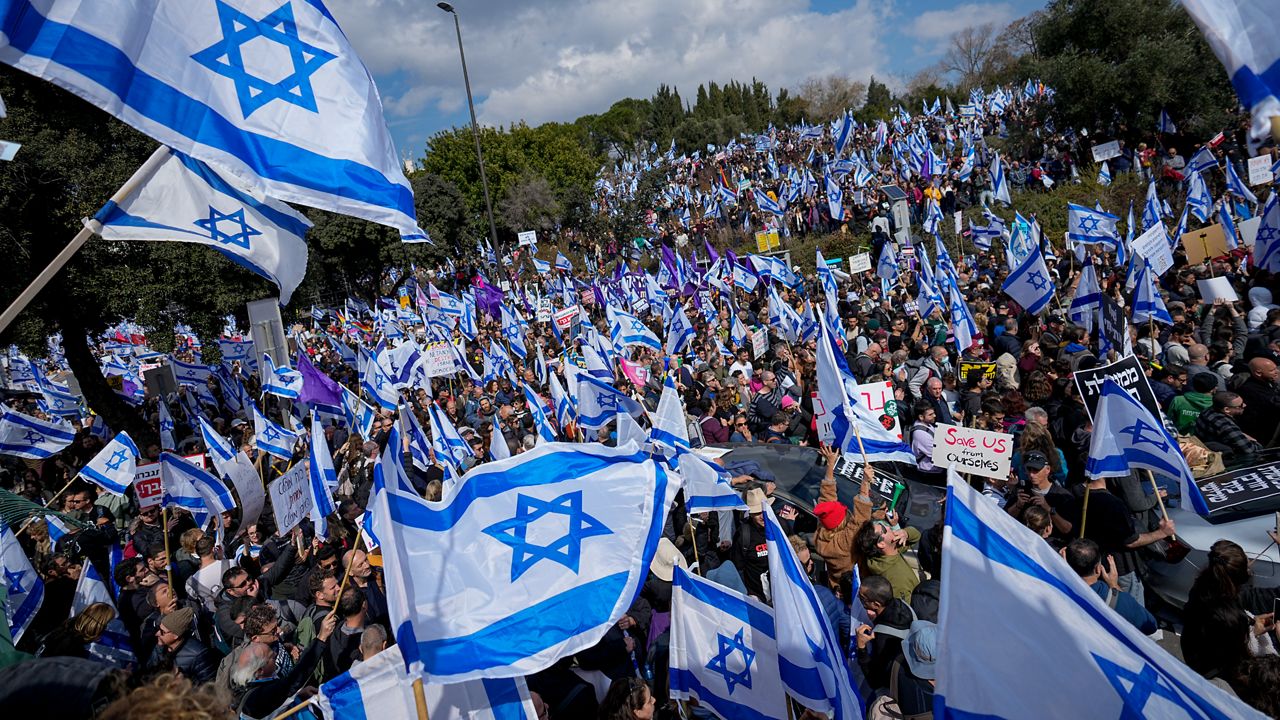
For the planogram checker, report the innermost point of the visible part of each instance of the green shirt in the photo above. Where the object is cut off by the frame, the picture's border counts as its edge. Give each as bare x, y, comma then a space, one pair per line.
1185, 408
896, 570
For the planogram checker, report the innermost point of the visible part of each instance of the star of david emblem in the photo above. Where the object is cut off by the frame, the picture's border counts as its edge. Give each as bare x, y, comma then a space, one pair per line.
1037, 280
1267, 235
567, 550
31, 437
608, 402
720, 663
14, 580
226, 57
1139, 431
270, 433
378, 382
637, 325
239, 238
1088, 224
117, 459
1142, 687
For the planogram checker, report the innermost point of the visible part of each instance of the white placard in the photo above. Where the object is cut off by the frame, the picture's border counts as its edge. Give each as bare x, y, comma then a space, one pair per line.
437, 359
973, 451
959, 220
528, 237
877, 397
859, 263
1259, 170
1249, 230
759, 343
1106, 151
147, 485
291, 498
8, 150
244, 478
1153, 246
544, 309
1217, 288
564, 318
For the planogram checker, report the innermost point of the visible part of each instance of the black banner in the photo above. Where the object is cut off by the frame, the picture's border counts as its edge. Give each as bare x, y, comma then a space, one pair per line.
1233, 491
1128, 373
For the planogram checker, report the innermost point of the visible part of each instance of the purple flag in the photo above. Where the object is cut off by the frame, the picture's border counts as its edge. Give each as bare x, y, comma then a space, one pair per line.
711, 252
317, 387
489, 299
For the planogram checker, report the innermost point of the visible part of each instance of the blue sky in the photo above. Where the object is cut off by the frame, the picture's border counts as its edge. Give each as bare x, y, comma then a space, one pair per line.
560, 59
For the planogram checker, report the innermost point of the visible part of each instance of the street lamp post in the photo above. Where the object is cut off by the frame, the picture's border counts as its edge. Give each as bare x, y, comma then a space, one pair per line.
475, 129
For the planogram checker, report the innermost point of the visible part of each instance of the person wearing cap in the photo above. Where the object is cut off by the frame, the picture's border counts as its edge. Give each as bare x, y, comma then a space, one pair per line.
1051, 336
912, 682
177, 646
1040, 491
837, 528
749, 552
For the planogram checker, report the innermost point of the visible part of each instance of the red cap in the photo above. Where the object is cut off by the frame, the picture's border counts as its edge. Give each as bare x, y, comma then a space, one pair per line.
830, 514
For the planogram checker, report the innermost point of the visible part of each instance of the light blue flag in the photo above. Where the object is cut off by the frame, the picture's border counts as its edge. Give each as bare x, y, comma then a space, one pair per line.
599, 401
31, 438
546, 433
114, 646
838, 392
679, 332
323, 478
1266, 247
563, 402
626, 330
1198, 198
1148, 305
376, 383
271, 438
1102, 666
191, 75
557, 540
1104, 174
1126, 435
360, 415
724, 651
812, 665
999, 184
281, 381
194, 489
184, 200
1030, 284
1237, 186
113, 468
24, 588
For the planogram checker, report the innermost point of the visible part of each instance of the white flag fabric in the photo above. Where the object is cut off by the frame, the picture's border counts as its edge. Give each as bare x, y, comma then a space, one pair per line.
598, 402
724, 651
1030, 283
1100, 665
271, 438
24, 590
1245, 36
113, 468
381, 688
322, 477
185, 200
268, 92
525, 561
167, 427
280, 380
30, 437
194, 489
837, 396
114, 646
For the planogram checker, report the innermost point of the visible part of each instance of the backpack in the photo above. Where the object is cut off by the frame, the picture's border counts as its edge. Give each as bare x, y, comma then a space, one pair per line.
886, 707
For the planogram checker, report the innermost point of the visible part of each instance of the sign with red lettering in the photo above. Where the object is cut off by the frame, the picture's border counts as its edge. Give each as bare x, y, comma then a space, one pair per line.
147, 485
973, 451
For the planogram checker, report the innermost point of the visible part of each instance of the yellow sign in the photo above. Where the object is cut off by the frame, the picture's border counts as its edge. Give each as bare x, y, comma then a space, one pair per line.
1206, 242
766, 241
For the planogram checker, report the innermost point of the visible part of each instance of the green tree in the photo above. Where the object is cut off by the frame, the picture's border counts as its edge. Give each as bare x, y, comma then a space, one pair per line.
879, 100
531, 204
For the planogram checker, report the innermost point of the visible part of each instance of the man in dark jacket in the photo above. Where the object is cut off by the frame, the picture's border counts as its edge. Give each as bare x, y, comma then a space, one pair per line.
176, 645
237, 582
878, 645
1262, 401
256, 689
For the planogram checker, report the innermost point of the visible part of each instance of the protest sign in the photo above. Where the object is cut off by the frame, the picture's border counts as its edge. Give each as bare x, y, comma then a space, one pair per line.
147, 485
9, 150
859, 263
1204, 243
1154, 246
437, 359
759, 343
291, 497
1238, 488
958, 217
544, 309
1113, 322
988, 370
1217, 288
973, 451
1249, 230
1260, 170
877, 396
1106, 151
528, 237
637, 373
1128, 373
766, 241
564, 318
248, 486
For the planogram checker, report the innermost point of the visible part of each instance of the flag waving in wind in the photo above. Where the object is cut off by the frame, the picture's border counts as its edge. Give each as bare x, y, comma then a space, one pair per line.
270, 93
113, 468
1030, 283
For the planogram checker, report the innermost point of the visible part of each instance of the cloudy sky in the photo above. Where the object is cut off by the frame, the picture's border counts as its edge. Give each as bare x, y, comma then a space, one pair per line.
560, 59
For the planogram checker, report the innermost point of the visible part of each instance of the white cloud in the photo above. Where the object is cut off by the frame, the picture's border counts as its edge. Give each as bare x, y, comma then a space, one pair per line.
941, 24
562, 59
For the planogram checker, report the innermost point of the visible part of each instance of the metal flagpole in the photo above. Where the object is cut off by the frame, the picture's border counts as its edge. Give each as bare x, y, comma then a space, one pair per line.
91, 227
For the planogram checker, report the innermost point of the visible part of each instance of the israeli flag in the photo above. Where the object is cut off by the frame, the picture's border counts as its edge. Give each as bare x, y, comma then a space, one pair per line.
359, 414
1266, 248
812, 664
1030, 284
1164, 124
217, 447
543, 267
272, 438
1089, 226
982, 235
1242, 35
768, 204
322, 477
546, 433
271, 94
113, 468
376, 383
563, 402
724, 651
999, 184
24, 590
887, 267
194, 489
448, 443
31, 438
626, 330
281, 381
932, 216
1126, 435
1237, 186
1087, 301
679, 332
1148, 305
1102, 665
184, 200
599, 401
837, 396
55, 399
513, 331
1228, 226
547, 551
835, 197
562, 262
114, 647
669, 434
1198, 198
1104, 174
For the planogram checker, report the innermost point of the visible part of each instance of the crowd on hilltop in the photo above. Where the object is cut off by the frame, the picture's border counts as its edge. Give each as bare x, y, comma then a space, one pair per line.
234, 618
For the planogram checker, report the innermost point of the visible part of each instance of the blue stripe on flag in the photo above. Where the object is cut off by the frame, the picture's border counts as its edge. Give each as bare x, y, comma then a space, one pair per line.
686, 681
